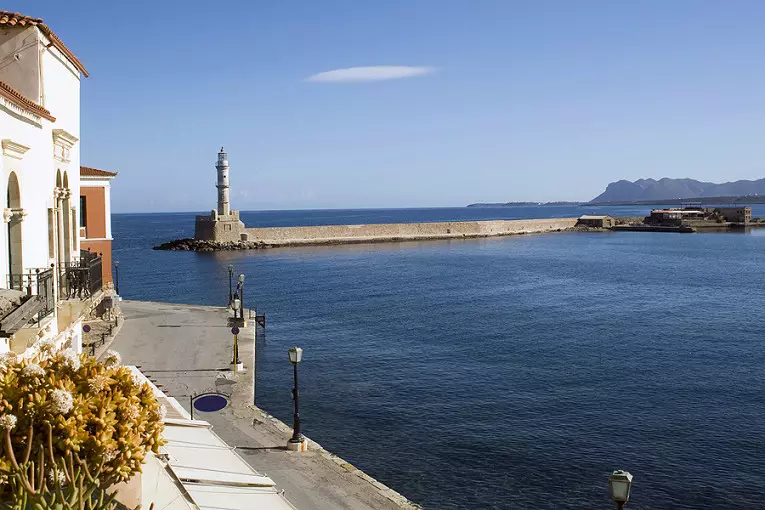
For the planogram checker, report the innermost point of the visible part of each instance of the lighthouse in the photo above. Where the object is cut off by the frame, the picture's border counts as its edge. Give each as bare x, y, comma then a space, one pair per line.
222, 224
224, 206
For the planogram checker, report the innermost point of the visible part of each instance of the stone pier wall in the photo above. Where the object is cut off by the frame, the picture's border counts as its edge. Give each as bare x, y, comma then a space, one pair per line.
343, 234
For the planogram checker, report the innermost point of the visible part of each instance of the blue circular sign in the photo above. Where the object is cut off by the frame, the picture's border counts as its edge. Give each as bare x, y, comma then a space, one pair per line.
235, 330
86, 328
210, 403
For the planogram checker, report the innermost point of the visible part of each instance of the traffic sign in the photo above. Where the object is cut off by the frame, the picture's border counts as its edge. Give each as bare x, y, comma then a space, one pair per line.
86, 328
235, 330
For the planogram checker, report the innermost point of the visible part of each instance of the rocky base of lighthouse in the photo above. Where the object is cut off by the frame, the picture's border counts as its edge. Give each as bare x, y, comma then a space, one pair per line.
206, 246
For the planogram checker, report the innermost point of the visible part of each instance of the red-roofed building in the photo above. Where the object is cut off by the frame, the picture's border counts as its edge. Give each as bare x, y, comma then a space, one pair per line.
96, 216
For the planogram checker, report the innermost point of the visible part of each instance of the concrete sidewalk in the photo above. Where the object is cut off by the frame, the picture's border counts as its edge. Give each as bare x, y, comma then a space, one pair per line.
187, 350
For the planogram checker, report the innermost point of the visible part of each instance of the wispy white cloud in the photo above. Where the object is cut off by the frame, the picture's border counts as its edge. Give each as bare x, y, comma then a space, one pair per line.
370, 73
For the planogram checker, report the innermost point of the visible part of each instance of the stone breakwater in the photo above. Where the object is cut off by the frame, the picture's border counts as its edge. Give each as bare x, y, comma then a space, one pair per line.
386, 232
205, 246
257, 238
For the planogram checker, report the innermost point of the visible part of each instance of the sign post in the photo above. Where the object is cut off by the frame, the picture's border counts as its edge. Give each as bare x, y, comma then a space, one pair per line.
236, 363
86, 330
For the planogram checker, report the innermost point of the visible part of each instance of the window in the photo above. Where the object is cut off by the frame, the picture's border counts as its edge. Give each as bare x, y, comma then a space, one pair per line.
83, 212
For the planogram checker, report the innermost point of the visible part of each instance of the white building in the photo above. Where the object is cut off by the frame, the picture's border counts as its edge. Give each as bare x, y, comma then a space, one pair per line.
40, 168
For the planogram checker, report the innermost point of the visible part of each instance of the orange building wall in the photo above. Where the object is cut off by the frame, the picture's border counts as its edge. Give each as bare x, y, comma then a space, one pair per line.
95, 211
95, 227
104, 248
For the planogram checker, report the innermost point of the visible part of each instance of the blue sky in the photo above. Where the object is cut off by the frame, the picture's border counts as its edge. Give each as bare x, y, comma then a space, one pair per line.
533, 100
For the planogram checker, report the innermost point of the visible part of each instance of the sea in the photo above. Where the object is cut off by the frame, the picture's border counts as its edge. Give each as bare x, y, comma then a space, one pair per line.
503, 373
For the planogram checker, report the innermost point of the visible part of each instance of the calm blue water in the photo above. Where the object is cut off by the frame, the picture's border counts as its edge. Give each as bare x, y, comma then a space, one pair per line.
514, 372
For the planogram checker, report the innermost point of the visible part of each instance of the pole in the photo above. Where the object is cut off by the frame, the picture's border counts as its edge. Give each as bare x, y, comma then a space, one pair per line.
236, 361
255, 366
296, 437
241, 298
619, 505
117, 277
230, 276
191, 406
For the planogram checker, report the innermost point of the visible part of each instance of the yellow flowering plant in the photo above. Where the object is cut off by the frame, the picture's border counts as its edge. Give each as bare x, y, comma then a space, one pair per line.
70, 428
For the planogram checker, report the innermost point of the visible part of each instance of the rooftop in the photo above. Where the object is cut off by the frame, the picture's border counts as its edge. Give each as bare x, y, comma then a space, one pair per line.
8, 18
16, 98
86, 171
201, 470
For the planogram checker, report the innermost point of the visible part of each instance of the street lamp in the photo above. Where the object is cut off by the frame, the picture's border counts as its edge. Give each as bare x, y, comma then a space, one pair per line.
619, 484
230, 277
117, 277
240, 289
296, 355
236, 304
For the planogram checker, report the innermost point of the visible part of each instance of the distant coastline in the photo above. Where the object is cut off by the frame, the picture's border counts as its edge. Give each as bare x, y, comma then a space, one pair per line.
521, 204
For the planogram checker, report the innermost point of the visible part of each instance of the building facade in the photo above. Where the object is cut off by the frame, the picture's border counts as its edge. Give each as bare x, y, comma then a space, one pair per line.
40, 263
95, 206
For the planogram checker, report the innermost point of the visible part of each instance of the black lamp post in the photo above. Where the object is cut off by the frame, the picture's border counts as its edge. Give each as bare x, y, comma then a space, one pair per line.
619, 483
230, 277
296, 355
117, 277
240, 288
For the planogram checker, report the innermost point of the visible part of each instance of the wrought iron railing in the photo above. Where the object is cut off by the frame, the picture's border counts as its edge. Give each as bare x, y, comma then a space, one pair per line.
82, 278
37, 282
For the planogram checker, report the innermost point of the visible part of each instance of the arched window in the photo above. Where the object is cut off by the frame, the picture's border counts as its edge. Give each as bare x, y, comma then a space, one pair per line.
15, 264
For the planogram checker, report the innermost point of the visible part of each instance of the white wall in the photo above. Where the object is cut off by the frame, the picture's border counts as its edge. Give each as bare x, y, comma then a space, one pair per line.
36, 170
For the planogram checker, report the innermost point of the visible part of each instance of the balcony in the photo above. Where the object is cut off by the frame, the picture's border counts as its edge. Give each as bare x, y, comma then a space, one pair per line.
82, 278
80, 284
29, 298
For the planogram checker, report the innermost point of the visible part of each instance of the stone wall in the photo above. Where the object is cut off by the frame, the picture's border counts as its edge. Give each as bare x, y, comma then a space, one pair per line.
340, 234
214, 227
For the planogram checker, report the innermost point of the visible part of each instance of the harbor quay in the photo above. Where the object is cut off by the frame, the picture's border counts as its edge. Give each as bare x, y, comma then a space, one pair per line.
187, 350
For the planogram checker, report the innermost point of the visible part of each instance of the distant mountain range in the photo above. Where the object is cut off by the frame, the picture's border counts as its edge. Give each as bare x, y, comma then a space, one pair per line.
651, 190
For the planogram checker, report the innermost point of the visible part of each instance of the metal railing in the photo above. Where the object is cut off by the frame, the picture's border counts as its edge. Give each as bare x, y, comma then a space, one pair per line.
36, 282
82, 278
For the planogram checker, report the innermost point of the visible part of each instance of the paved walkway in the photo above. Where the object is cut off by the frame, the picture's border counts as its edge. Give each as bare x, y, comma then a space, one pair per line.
187, 349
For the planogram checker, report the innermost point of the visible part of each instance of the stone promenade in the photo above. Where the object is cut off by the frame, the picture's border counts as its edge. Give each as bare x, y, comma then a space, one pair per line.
187, 350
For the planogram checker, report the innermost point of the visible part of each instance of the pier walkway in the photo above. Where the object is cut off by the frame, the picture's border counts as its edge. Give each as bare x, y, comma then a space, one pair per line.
187, 350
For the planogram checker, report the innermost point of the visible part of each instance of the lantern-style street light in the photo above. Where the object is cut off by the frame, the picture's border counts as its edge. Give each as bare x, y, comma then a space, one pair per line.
619, 483
240, 291
236, 304
296, 356
230, 277
117, 277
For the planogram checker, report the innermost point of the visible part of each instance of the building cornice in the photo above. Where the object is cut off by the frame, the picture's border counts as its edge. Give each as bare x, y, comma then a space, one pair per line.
13, 150
23, 107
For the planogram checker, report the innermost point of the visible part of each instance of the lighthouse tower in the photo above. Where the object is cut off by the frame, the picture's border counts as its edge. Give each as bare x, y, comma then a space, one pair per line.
222, 224
222, 166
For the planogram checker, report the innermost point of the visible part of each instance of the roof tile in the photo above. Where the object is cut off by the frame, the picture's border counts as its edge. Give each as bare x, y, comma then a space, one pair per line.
15, 18
8, 92
95, 172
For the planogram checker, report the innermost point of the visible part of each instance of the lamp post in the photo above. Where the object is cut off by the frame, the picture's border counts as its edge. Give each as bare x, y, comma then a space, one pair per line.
117, 277
619, 483
235, 361
240, 288
296, 355
230, 277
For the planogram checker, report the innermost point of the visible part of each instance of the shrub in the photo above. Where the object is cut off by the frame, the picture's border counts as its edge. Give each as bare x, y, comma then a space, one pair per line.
71, 427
